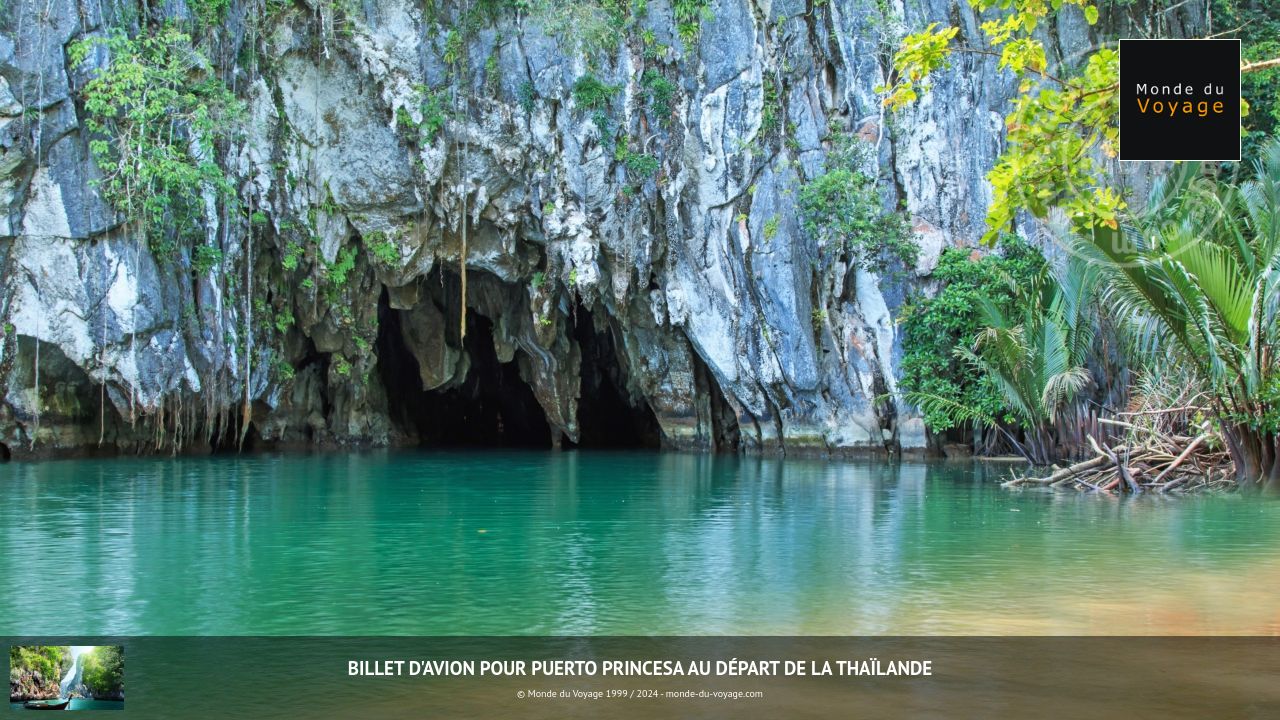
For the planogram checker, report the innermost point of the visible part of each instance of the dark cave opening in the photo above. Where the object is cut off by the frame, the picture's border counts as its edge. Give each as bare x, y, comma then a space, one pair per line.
491, 407
4, 453
229, 441
608, 417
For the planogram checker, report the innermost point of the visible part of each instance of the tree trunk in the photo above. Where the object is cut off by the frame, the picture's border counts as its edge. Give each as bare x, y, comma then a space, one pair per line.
1272, 486
1039, 442
1255, 454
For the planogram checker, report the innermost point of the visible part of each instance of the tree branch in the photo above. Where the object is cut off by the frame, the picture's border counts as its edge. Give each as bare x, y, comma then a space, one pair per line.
1260, 65
992, 53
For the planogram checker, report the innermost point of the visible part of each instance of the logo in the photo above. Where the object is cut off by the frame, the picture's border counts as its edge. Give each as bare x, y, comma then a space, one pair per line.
1180, 100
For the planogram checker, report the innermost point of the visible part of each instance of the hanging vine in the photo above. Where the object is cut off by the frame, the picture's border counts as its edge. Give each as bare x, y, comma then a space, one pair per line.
154, 114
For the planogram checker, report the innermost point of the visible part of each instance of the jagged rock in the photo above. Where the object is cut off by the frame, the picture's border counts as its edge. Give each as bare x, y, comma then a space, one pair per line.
691, 293
422, 327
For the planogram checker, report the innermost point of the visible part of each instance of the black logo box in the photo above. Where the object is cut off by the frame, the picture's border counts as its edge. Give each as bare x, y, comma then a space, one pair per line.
1190, 65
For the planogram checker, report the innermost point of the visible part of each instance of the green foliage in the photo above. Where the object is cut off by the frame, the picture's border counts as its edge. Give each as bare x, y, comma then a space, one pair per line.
154, 114
526, 94
51, 661
841, 208
643, 165
1257, 24
103, 671
285, 371
771, 228
651, 48
659, 92
291, 257
340, 269
205, 258
601, 120
453, 47
1045, 167
342, 366
1055, 122
587, 26
383, 249
689, 15
434, 115
430, 116
589, 93
284, 320
770, 112
1032, 349
1196, 281
818, 317
209, 12
492, 78
639, 165
1035, 354
932, 328
920, 55
339, 16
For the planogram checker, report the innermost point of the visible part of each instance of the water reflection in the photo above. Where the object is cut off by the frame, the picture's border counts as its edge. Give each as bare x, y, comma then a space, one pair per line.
613, 543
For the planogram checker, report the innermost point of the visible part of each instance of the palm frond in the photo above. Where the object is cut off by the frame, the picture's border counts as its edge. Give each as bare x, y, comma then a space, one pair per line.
1218, 277
958, 412
1062, 388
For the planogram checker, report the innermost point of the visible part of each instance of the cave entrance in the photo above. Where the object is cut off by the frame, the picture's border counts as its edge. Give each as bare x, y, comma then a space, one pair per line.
608, 415
491, 407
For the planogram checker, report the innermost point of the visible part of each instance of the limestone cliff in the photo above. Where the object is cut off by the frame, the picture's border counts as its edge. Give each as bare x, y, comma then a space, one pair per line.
392, 150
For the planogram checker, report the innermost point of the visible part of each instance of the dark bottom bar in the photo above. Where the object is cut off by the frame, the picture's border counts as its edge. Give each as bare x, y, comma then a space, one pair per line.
626, 677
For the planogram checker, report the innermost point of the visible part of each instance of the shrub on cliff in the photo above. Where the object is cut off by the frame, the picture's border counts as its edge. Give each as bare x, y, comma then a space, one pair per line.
155, 111
843, 211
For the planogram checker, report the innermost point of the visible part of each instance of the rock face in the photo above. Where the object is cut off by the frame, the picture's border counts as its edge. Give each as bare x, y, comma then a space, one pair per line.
394, 173
27, 685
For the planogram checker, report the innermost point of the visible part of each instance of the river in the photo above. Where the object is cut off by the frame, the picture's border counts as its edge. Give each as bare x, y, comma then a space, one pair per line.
577, 543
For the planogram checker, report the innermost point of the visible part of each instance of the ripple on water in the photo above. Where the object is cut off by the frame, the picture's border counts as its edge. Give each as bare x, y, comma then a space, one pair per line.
615, 543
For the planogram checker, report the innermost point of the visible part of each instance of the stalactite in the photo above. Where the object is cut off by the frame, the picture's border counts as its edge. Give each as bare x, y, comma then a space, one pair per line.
158, 422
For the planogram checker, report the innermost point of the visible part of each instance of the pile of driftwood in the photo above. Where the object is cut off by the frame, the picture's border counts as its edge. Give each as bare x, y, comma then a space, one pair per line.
1151, 457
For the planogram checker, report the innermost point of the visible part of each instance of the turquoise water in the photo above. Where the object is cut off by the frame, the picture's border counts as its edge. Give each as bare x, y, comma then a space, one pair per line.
612, 543
81, 704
